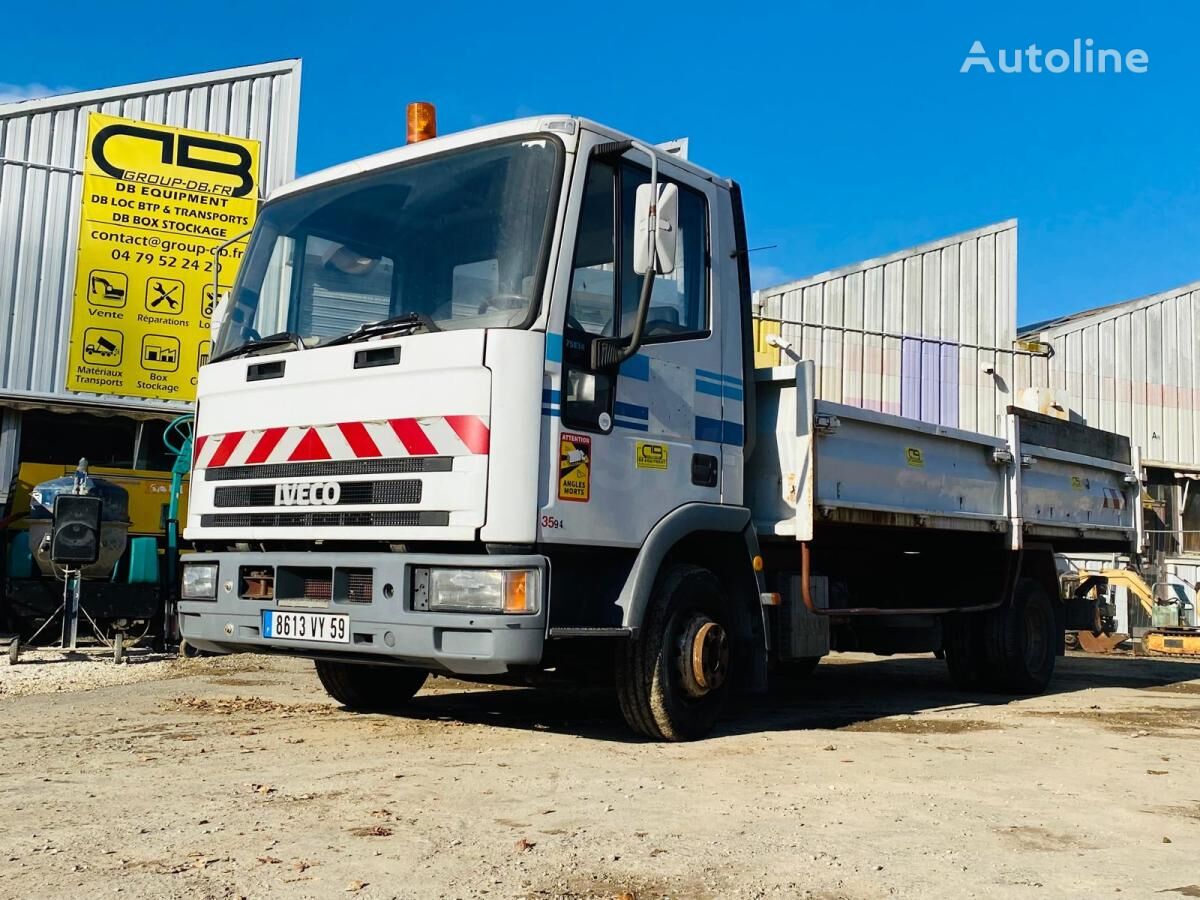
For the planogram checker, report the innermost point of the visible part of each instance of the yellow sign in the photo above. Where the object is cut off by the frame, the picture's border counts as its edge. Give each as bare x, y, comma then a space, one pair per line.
574, 467
157, 201
650, 456
1076, 483
912, 456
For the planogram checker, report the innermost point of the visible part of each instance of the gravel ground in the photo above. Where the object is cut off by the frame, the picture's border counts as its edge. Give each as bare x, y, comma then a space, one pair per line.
237, 777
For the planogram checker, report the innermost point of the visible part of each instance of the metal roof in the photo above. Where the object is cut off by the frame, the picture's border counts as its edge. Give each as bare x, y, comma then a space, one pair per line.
1108, 311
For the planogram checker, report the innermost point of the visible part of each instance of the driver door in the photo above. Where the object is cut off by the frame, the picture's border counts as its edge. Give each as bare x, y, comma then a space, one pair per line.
634, 445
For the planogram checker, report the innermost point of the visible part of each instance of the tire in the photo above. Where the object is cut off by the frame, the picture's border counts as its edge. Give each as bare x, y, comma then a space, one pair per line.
799, 669
368, 687
1021, 642
966, 659
674, 677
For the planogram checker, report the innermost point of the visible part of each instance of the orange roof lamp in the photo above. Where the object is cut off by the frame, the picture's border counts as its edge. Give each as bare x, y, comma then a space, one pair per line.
422, 122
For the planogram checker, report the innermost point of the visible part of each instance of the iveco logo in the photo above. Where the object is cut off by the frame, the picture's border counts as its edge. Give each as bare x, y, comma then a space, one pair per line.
308, 494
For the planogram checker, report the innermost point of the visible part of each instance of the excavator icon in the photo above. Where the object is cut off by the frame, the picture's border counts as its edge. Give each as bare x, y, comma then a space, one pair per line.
106, 288
102, 287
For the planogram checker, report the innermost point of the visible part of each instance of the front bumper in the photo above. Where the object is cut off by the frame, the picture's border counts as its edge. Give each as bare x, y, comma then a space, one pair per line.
386, 629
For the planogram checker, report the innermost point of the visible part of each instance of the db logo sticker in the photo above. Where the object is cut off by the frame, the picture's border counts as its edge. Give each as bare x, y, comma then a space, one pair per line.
650, 456
574, 467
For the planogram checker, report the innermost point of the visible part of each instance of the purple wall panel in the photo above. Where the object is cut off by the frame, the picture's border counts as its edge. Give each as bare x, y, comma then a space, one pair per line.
949, 394
910, 378
929, 381
931, 378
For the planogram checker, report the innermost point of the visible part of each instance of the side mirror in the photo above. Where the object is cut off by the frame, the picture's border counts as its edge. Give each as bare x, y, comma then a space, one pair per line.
655, 251
220, 311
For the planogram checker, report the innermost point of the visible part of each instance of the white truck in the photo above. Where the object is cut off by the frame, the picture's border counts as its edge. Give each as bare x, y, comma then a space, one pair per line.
485, 405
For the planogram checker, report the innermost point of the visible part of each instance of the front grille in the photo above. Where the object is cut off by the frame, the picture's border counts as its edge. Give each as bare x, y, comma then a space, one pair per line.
427, 517
398, 465
355, 585
353, 493
317, 588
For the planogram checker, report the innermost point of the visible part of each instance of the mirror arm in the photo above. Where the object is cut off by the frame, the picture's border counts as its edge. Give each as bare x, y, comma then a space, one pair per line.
607, 353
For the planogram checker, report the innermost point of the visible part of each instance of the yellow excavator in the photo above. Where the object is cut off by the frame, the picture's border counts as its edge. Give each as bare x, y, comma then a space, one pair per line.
1166, 637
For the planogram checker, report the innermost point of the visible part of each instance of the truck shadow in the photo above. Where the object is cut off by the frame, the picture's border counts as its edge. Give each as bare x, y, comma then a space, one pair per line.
853, 692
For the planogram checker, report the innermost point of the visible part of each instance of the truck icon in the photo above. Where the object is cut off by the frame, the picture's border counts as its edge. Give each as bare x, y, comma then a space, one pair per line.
103, 347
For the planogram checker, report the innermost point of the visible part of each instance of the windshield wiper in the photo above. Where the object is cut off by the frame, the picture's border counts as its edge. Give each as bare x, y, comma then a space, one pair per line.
262, 343
410, 321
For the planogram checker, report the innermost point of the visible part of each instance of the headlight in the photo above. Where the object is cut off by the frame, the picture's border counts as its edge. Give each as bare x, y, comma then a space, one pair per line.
199, 581
481, 590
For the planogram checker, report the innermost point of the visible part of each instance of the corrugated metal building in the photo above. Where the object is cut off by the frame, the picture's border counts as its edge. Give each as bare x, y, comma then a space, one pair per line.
41, 158
927, 332
1133, 368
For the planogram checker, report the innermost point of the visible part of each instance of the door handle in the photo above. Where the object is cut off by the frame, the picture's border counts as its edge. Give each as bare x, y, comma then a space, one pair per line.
704, 470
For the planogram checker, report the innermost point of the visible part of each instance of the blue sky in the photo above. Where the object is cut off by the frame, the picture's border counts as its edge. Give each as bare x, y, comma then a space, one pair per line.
849, 125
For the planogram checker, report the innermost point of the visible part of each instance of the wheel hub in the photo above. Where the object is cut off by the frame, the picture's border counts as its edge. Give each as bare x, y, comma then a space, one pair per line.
704, 656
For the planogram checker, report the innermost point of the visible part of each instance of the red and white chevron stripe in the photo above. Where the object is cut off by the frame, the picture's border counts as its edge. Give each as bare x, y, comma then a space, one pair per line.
429, 436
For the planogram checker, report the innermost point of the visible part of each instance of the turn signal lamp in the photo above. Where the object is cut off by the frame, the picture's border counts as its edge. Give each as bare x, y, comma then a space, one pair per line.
516, 592
422, 122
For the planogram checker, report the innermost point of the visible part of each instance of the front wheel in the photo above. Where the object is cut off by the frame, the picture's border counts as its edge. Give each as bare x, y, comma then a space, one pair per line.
368, 687
673, 678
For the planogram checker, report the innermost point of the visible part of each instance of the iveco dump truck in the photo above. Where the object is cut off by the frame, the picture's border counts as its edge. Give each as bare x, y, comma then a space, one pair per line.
485, 405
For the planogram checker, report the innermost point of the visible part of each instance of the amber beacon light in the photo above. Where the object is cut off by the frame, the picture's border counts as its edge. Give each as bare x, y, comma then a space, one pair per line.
422, 122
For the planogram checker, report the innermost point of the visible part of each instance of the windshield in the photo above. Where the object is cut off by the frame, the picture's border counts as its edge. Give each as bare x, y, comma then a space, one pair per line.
460, 238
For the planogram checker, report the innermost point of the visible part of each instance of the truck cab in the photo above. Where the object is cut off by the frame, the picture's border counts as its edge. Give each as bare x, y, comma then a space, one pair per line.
402, 422
484, 405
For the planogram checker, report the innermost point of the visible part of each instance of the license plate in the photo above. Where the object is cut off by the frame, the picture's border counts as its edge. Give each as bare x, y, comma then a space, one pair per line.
304, 626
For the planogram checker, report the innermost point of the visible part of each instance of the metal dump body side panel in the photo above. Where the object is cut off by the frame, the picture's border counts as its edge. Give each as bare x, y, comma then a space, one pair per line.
914, 333
1065, 493
830, 462
41, 159
881, 469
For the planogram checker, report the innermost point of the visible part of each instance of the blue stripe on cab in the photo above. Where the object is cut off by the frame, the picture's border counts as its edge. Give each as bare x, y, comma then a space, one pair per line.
717, 376
554, 347
732, 393
704, 387
630, 410
636, 367
718, 431
632, 426
708, 429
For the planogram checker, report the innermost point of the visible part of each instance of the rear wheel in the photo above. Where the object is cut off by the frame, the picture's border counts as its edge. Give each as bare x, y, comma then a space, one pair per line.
367, 687
673, 679
1021, 644
1009, 650
798, 669
964, 652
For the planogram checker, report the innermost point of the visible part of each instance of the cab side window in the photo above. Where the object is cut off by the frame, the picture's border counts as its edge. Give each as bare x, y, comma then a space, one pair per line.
593, 277
678, 301
600, 288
